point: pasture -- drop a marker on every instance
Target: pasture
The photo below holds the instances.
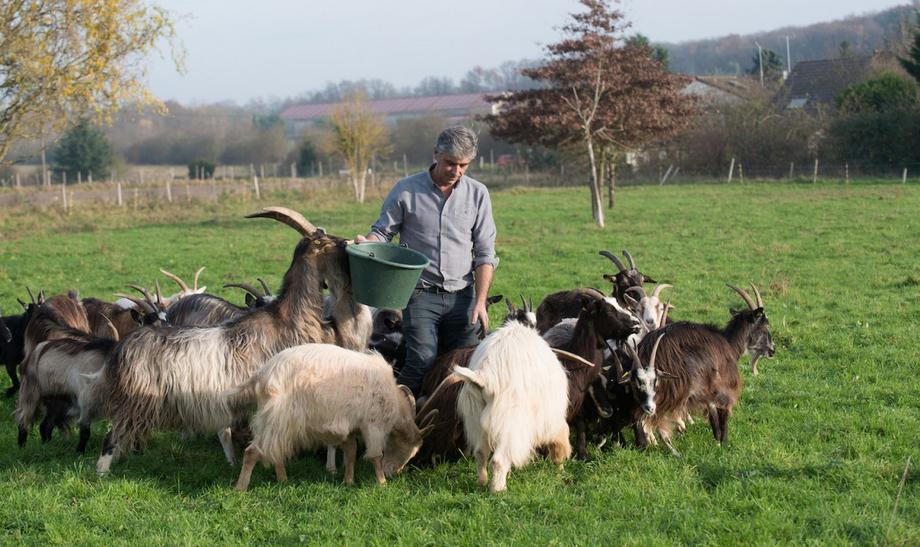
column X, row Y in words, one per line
column 817, row 446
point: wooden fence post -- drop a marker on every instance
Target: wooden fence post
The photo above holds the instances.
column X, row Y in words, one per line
column 814, row 178
column 118, row 194
column 405, row 166
column 791, row 169
column 64, row 195
column 168, row 190
column 255, row 185
column 741, row 172
column 731, row 171
column 903, row 177
column 846, row 172
column 18, row 185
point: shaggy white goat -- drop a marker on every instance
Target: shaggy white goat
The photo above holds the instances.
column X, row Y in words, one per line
column 321, row 394
column 514, row 400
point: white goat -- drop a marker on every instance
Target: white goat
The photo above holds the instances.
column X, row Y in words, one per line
column 650, row 309
column 318, row 394
column 514, row 400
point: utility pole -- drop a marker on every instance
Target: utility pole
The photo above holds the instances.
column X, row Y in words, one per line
column 760, row 61
column 788, row 56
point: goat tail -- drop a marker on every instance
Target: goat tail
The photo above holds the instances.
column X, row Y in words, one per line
column 243, row 396
column 29, row 392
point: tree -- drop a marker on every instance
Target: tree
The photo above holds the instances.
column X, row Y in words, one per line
column 84, row 149
column 911, row 63
column 597, row 93
column 772, row 64
column 658, row 51
column 358, row 135
column 61, row 57
column 885, row 93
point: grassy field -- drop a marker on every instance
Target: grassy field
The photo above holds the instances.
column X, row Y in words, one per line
column 817, row 446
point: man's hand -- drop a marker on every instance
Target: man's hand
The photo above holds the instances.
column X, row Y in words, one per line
column 364, row 239
column 479, row 312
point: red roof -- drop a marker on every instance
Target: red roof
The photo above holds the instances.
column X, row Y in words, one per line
column 405, row 105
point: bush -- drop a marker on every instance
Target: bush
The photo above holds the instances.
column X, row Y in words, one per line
column 201, row 169
column 84, row 149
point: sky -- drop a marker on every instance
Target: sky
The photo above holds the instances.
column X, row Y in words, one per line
column 273, row 49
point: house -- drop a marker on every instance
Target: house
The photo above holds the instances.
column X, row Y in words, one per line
column 815, row 85
column 723, row 90
column 299, row 118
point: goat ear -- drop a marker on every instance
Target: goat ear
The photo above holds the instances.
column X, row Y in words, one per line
column 758, row 313
column 610, row 278
column 647, row 279
column 25, row 307
column 136, row 315
column 471, row 377
column 408, row 393
column 630, row 301
column 494, row 299
column 250, row 300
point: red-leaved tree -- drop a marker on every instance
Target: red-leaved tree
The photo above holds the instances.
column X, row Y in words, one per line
column 598, row 92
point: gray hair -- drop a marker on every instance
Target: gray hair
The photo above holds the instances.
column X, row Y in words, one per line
column 458, row 142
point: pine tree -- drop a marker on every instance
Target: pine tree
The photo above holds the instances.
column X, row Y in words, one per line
column 84, row 149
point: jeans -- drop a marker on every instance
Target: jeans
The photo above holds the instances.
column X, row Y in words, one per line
column 435, row 322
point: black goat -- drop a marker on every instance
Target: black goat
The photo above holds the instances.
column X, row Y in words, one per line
column 701, row 364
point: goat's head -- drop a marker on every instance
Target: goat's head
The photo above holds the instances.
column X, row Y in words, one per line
column 650, row 309
column 642, row 379
column 524, row 315
column 387, row 332
column 254, row 297
column 611, row 322
column 759, row 341
column 326, row 250
column 406, row 437
column 625, row 277
column 150, row 311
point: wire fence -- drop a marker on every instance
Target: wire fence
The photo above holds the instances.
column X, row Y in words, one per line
column 163, row 185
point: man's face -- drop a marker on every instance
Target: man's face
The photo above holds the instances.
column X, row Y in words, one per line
column 448, row 169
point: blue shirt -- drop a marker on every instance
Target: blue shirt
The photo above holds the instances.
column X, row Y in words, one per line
column 457, row 233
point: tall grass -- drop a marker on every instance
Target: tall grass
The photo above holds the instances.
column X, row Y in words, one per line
column 817, row 447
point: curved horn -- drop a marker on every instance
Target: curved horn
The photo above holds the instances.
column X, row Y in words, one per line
column 146, row 307
column 664, row 314
column 246, row 287
column 509, row 305
column 268, row 292
column 640, row 290
column 757, row 294
column 175, row 278
column 31, row 296
column 195, row 283
column 111, row 326
column 41, row 296
column 618, row 367
column 659, row 288
column 571, row 356
column 745, row 296
column 408, row 393
column 651, row 360
column 450, row 379
column 159, row 295
column 632, row 262
column 525, row 304
column 615, row 260
column 287, row 216
column 143, row 291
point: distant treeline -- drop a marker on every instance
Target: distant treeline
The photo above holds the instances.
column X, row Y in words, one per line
column 733, row 54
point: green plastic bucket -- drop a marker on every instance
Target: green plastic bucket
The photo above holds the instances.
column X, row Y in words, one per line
column 384, row 275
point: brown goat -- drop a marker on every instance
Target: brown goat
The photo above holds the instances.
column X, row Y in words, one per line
column 57, row 317
column 698, row 368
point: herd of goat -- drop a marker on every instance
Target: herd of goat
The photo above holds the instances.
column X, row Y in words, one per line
column 310, row 367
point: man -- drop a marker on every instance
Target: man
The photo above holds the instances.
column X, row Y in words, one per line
column 446, row 216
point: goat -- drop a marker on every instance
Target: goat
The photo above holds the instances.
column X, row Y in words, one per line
column 5, row 335
column 172, row 377
column 57, row 317
column 323, row 394
column 524, row 315
column 57, row 378
column 387, row 337
column 650, row 309
column 513, row 400
column 624, row 278
column 598, row 321
column 208, row 310
column 701, row 364
column 184, row 289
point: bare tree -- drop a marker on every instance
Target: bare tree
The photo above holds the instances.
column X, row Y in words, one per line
column 358, row 135
column 598, row 92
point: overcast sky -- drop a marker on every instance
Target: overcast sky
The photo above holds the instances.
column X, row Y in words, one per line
column 240, row 50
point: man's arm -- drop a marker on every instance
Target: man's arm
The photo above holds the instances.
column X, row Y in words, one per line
column 483, row 281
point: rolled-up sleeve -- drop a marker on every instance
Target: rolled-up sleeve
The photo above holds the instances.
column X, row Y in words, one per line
column 391, row 216
column 484, row 233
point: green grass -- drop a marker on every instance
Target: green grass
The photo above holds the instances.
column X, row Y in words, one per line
column 817, row 446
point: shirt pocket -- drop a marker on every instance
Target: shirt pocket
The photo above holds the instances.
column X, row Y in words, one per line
column 461, row 221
